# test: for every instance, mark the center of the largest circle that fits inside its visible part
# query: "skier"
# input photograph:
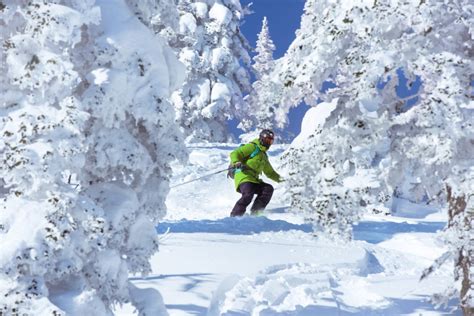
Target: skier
(248, 162)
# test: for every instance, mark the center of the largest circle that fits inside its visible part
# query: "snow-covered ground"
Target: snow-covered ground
(211, 264)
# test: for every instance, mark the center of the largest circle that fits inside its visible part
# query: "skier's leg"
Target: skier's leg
(247, 189)
(264, 195)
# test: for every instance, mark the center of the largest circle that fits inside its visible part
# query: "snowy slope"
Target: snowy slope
(210, 264)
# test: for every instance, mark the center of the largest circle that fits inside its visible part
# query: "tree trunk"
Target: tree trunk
(457, 207)
(465, 264)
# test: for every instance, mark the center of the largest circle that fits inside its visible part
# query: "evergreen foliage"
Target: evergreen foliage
(373, 134)
(261, 100)
(215, 54)
(87, 137)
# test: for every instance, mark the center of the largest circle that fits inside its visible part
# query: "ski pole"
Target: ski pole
(205, 176)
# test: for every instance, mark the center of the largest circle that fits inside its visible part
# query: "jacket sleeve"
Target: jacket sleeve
(271, 173)
(241, 153)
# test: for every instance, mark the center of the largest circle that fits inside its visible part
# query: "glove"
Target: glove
(238, 165)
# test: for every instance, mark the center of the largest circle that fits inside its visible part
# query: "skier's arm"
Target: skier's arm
(239, 154)
(271, 173)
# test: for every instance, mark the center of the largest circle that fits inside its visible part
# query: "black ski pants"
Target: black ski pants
(264, 192)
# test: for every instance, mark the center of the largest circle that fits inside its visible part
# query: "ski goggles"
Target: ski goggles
(268, 139)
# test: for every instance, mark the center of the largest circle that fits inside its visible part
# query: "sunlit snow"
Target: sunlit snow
(211, 264)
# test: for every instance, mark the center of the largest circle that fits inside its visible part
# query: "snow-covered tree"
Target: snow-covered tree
(262, 101)
(213, 49)
(358, 44)
(432, 142)
(330, 165)
(263, 61)
(311, 58)
(42, 144)
(87, 137)
(339, 180)
(161, 16)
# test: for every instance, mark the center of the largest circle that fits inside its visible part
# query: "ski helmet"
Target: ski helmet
(266, 137)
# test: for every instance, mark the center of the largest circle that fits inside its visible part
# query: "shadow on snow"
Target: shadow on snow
(190, 309)
(246, 225)
(396, 307)
(375, 232)
(372, 232)
(192, 282)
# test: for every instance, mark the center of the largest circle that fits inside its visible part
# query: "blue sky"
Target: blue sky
(283, 20)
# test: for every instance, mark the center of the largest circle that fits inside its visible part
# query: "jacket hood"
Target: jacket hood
(262, 148)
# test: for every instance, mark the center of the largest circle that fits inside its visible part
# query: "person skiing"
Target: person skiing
(248, 162)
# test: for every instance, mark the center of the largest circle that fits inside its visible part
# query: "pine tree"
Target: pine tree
(311, 59)
(426, 143)
(263, 61)
(212, 48)
(262, 101)
(42, 145)
(87, 136)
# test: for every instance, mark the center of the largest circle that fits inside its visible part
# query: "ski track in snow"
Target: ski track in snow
(211, 264)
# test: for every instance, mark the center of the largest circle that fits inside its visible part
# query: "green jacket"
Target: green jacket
(256, 165)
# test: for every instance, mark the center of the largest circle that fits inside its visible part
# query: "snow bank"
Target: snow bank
(148, 301)
(300, 288)
(405, 208)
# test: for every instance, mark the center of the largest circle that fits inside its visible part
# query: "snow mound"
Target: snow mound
(303, 288)
(296, 289)
(405, 208)
(148, 301)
